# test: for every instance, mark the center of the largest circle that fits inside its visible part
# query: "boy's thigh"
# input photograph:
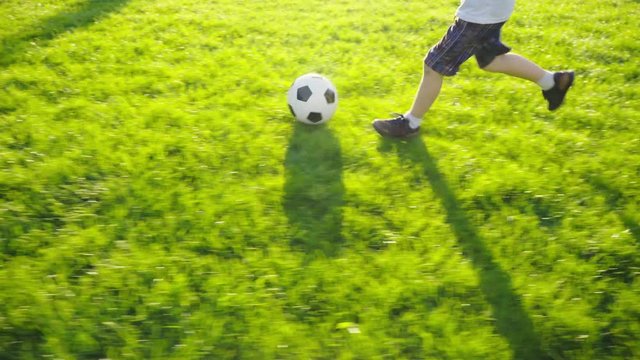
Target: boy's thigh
(463, 40)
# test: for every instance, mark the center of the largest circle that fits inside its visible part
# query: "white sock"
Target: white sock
(546, 82)
(414, 122)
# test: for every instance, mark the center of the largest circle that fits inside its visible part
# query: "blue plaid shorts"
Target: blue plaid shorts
(463, 40)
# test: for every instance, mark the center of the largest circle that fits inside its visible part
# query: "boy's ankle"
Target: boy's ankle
(546, 82)
(414, 121)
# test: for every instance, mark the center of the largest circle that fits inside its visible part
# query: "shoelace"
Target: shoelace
(398, 116)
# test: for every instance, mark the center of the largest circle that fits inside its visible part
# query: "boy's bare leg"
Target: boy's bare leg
(554, 85)
(427, 93)
(408, 125)
(518, 66)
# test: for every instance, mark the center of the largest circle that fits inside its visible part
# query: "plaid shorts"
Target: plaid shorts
(463, 40)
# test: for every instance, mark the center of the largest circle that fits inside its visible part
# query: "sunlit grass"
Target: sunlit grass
(158, 201)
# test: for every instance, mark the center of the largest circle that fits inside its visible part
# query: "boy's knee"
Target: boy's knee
(494, 65)
(428, 71)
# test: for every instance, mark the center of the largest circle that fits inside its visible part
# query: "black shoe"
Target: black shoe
(555, 96)
(397, 127)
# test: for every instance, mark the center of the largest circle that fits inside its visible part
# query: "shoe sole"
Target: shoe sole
(386, 135)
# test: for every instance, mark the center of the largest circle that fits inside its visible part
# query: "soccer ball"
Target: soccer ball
(312, 99)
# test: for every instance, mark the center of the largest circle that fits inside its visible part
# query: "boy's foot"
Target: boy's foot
(555, 95)
(397, 127)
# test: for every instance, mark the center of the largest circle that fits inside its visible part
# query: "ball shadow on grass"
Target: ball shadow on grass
(314, 191)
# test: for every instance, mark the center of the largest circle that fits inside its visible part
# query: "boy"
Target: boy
(476, 31)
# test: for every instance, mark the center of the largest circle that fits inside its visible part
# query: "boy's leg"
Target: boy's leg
(518, 66)
(444, 59)
(408, 125)
(554, 85)
(427, 94)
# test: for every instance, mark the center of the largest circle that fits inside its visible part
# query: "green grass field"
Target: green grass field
(158, 201)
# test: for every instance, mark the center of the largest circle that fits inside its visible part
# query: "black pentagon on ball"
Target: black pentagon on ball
(330, 95)
(304, 93)
(314, 117)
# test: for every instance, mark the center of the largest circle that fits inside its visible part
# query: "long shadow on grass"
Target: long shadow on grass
(50, 28)
(314, 191)
(512, 321)
(616, 202)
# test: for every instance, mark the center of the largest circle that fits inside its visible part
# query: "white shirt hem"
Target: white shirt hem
(482, 21)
